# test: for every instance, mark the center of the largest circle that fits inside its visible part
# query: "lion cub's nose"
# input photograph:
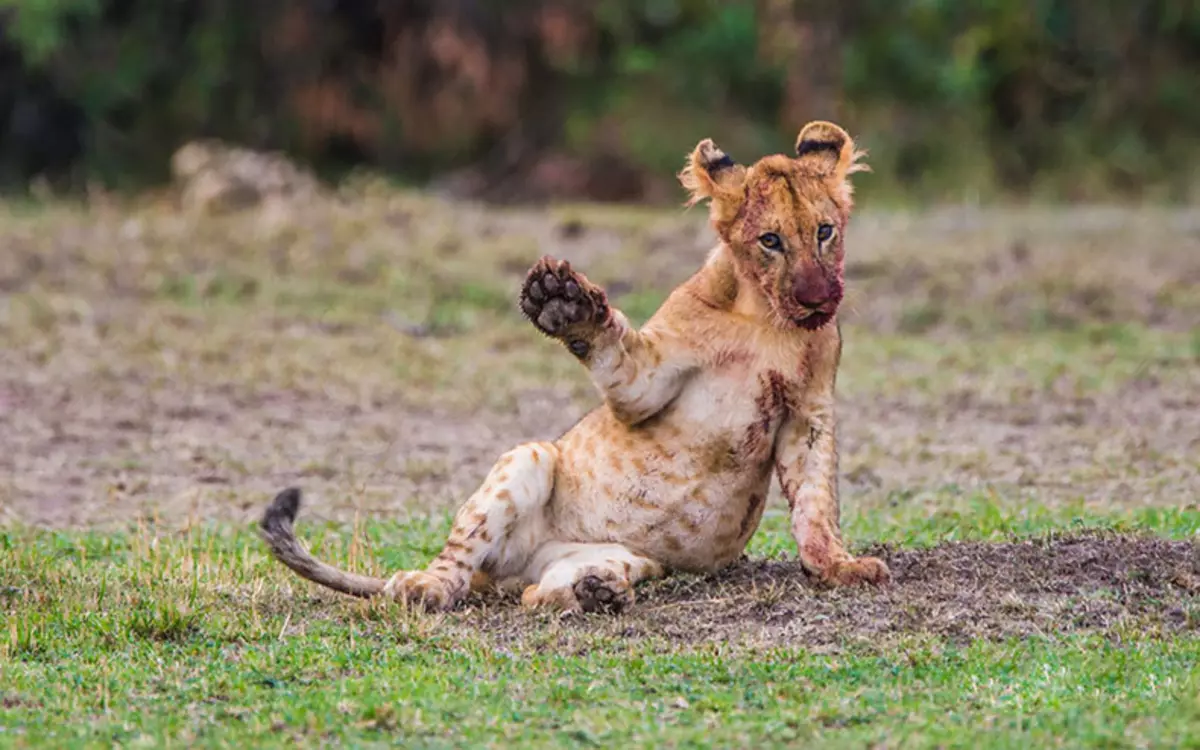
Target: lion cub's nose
(812, 290)
(813, 299)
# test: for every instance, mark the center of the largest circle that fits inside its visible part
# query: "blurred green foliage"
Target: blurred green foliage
(1066, 99)
(38, 25)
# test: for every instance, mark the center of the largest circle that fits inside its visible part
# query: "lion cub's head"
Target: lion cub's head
(783, 218)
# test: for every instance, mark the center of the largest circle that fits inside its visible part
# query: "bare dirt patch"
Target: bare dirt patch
(1100, 582)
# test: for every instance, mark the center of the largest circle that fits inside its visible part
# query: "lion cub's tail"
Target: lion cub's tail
(276, 529)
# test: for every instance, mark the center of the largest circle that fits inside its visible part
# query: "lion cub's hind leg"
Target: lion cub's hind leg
(495, 532)
(587, 577)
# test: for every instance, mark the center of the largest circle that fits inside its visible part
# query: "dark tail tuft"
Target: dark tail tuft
(277, 532)
(281, 513)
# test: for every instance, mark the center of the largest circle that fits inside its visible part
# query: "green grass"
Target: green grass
(426, 692)
(198, 638)
(951, 515)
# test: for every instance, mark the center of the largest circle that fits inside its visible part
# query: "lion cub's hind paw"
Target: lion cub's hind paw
(422, 590)
(594, 590)
(603, 590)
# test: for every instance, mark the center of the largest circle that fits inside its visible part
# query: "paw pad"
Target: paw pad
(557, 299)
(603, 594)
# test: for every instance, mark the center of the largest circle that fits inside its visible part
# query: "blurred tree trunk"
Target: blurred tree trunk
(803, 37)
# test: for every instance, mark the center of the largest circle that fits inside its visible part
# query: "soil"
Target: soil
(1103, 582)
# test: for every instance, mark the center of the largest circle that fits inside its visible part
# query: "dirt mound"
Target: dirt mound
(1059, 584)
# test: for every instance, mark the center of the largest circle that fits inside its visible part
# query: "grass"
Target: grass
(1018, 437)
(425, 694)
(198, 638)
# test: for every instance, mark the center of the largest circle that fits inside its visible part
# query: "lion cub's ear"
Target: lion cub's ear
(711, 173)
(828, 150)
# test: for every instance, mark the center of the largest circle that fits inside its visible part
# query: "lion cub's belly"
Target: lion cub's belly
(687, 487)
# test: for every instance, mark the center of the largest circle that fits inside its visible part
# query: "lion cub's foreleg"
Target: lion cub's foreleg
(806, 462)
(638, 372)
(495, 532)
(587, 577)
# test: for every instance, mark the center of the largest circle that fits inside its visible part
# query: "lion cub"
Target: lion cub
(731, 381)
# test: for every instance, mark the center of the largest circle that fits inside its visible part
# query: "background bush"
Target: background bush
(1065, 99)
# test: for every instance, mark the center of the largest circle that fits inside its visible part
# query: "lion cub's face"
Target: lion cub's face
(784, 218)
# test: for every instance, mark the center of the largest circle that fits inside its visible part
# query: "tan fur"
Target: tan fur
(730, 382)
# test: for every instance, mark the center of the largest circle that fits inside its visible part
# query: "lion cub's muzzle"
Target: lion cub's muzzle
(815, 299)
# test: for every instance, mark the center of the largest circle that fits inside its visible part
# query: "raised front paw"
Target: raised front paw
(562, 303)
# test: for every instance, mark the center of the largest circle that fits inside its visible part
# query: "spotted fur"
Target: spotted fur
(731, 382)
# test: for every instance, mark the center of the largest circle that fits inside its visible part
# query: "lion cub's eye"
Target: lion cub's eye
(824, 232)
(770, 241)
